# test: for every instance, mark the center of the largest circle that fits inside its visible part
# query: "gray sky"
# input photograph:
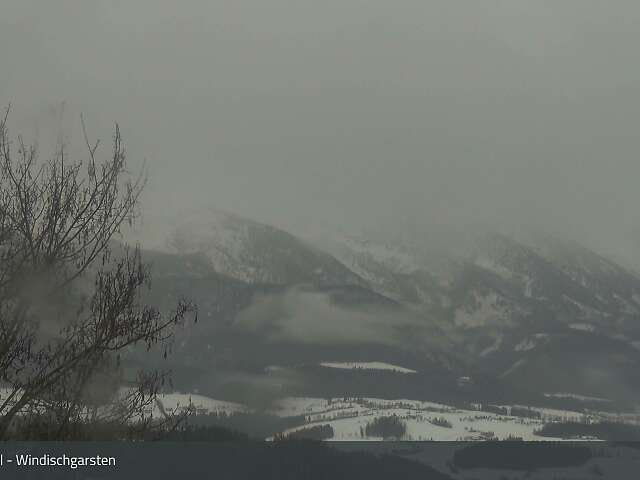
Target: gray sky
(351, 112)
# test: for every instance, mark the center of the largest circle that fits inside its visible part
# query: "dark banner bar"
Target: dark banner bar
(315, 460)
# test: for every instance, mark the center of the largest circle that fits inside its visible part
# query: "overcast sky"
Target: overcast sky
(350, 112)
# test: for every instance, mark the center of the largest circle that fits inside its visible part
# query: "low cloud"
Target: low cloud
(311, 317)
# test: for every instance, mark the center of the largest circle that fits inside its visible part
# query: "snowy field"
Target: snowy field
(424, 420)
(348, 418)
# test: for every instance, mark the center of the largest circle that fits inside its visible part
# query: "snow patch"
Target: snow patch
(525, 345)
(493, 347)
(583, 327)
(485, 311)
(488, 264)
(367, 366)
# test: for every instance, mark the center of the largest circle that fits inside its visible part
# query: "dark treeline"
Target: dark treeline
(495, 409)
(603, 430)
(430, 385)
(441, 422)
(518, 455)
(317, 432)
(386, 427)
(211, 433)
(524, 412)
(254, 424)
(45, 427)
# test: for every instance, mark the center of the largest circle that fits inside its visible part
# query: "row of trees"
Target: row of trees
(317, 432)
(70, 308)
(385, 427)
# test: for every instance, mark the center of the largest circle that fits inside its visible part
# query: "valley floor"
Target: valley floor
(348, 417)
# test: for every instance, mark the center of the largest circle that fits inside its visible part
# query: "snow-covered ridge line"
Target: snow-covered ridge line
(576, 397)
(367, 366)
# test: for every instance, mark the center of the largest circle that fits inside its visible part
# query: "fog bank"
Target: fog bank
(349, 114)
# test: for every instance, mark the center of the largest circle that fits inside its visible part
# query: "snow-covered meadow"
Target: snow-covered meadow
(424, 420)
(349, 417)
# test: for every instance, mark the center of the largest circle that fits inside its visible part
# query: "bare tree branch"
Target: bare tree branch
(56, 223)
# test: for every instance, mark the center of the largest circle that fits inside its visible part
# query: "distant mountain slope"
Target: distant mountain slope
(256, 253)
(514, 307)
(505, 281)
(245, 326)
(510, 300)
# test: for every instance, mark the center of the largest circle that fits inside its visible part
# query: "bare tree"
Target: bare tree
(61, 334)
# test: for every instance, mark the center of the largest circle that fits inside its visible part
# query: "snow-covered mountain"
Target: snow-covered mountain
(517, 307)
(503, 280)
(256, 253)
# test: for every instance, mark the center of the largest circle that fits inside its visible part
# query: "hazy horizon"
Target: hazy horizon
(347, 114)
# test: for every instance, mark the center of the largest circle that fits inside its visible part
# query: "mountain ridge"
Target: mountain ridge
(504, 304)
